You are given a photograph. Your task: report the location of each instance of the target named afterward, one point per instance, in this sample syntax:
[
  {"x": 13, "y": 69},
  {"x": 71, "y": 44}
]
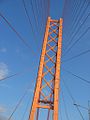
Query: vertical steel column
[
  {"x": 39, "y": 78},
  {"x": 57, "y": 74},
  {"x": 49, "y": 72}
]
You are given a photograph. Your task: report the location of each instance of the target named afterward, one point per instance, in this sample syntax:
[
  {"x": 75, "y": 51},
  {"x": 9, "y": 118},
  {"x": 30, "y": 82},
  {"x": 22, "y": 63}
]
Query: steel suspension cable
[
  {"x": 26, "y": 108},
  {"x": 78, "y": 12},
  {"x": 29, "y": 19},
  {"x": 80, "y": 113},
  {"x": 18, "y": 104},
  {"x": 23, "y": 1},
  {"x": 72, "y": 98},
  {"x": 74, "y": 19},
  {"x": 17, "y": 33},
  {"x": 77, "y": 23},
  {"x": 35, "y": 16},
  {"x": 79, "y": 27},
  {"x": 84, "y": 9},
  {"x": 37, "y": 8},
  {"x": 15, "y": 74},
  {"x": 74, "y": 9},
  {"x": 77, "y": 76},
  {"x": 76, "y": 56},
  {"x": 75, "y": 42},
  {"x": 43, "y": 17},
  {"x": 66, "y": 113},
  {"x": 74, "y": 14}
]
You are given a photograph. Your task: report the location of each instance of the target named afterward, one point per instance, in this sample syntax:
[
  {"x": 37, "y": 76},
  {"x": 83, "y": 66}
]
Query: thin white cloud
[
  {"x": 3, "y": 70},
  {"x": 30, "y": 90},
  {"x": 3, "y": 117},
  {"x": 3, "y": 50},
  {"x": 5, "y": 85},
  {"x": 2, "y": 109},
  {"x": 17, "y": 50}
]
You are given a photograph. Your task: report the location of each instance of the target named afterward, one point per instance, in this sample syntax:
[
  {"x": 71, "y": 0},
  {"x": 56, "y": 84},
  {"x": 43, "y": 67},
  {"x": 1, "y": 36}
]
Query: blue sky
[{"x": 16, "y": 57}]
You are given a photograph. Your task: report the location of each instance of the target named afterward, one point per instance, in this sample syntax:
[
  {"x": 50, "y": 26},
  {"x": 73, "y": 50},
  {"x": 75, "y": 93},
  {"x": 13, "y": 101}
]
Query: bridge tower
[{"x": 46, "y": 95}]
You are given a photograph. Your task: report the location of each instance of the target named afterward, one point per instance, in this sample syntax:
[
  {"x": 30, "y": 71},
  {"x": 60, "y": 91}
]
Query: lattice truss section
[{"x": 48, "y": 76}]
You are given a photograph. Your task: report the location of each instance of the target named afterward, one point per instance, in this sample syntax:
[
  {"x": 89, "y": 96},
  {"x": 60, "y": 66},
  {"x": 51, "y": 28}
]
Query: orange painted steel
[
  {"x": 57, "y": 74},
  {"x": 46, "y": 94}
]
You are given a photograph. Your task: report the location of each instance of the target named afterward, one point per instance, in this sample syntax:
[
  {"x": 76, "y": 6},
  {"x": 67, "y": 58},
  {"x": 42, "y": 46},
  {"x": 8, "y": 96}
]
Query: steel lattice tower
[{"x": 46, "y": 94}]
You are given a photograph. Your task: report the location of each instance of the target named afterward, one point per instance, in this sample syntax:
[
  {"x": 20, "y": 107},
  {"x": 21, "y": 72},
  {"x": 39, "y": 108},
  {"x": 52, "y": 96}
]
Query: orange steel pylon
[{"x": 46, "y": 94}]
